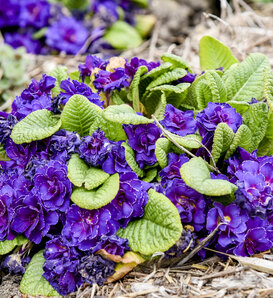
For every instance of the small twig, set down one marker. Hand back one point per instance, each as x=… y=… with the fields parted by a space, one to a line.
x=141 y=293
x=222 y=273
x=154 y=40
x=199 y=246
x=113 y=291
x=178 y=145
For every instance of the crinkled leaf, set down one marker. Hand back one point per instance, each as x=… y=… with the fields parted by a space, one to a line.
x=77 y=170
x=256 y=119
x=222 y=140
x=60 y=74
x=240 y=106
x=130 y=158
x=176 y=61
x=167 y=77
x=7 y=246
x=113 y=131
x=268 y=86
x=196 y=175
x=38 y=125
x=94 y=178
x=246 y=80
x=133 y=94
x=123 y=36
x=158 y=229
x=124 y=114
x=188 y=141
x=33 y=283
x=155 y=104
x=95 y=199
x=162 y=148
x=78 y=114
x=266 y=145
x=150 y=175
x=116 y=98
x=242 y=138
x=213 y=54
x=216 y=85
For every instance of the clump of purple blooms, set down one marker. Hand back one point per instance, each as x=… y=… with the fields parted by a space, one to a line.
x=35 y=187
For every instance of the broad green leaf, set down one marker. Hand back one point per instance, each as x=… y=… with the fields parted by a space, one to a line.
x=95 y=199
x=216 y=85
x=95 y=178
x=150 y=175
x=113 y=131
x=77 y=170
x=176 y=61
x=7 y=246
x=75 y=76
x=134 y=88
x=38 y=125
x=141 y=3
x=268 y=86
x=158 y=229
x=242 y=138
x=188 y=141
x=33 y=283
x=265 y=147
x=130 y=158
x=60 y=74
x=222 y=140
x=75 y=4
x=167 y=77
x=240 y=106
x=162 y=148
x=144 y=24
x=246 y=80
x=196 y=175
x=78 y=114
x=124 y=114
x=160 y=108
x=256 y=118
x=213 y=54
x=123 y=36
x=116 y=98
x=155 y=104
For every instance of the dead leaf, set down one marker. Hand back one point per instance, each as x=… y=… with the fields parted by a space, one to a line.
x=256 y=263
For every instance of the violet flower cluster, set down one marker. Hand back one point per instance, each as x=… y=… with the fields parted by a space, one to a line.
x=43 y=27
x=36 y=188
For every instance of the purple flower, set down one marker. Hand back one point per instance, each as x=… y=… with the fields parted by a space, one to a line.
x=109 y=81
x=74 y=87
x=234 y=222
x=52 y=186
x=7 y=122
x=113 y=245
x=61 y=266
x=36 y=97
x=9 y=12
x=131 y=199
x=188 y=78
x=256 y=240
x=107 y=10
x=66 y=35
x=179 y=122
x=15 y=264
x=32 y=219
x=84 y=227
x=24 y=39
x=34 y=13
x=94 y=149
x=91 y=62
x=142 y=139
x=190 y=204
x=132 y=66
x=116 y=161
x=95 y=269
x=173 y=169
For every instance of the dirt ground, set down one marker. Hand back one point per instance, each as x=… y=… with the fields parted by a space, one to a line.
x=179 y=28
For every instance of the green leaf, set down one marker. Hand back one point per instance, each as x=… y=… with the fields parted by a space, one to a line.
x=265 y=147
x=150 y=175
x=155 y=104
x=167 y=77
x=75 y=76
x=268 y=86
x=176 y=61
x=256 y=119
x=116 y=98
x=242 y=138
x=78 y=114
x=3 y=154
x=246 y=80
x=123 y=36
x=60 y=74
x=130 y=158
x=7 y=246
x=162 y=148
x=75 y=4
x=216 y=85
x=134 y=88
x=38 y=125
x=33 y=283
x=222 y=140
x=240 y=106
x=158 y=229
x=213 y=54
x=124 y=114
x=95 y=178
x=196 y=175
x=77 y=170
x=188 y=141
x=113 y=131
x=95 y=199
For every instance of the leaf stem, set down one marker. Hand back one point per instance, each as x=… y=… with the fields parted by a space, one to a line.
x=167 y=135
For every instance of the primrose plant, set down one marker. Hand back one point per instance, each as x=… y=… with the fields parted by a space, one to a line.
x=100 y=168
